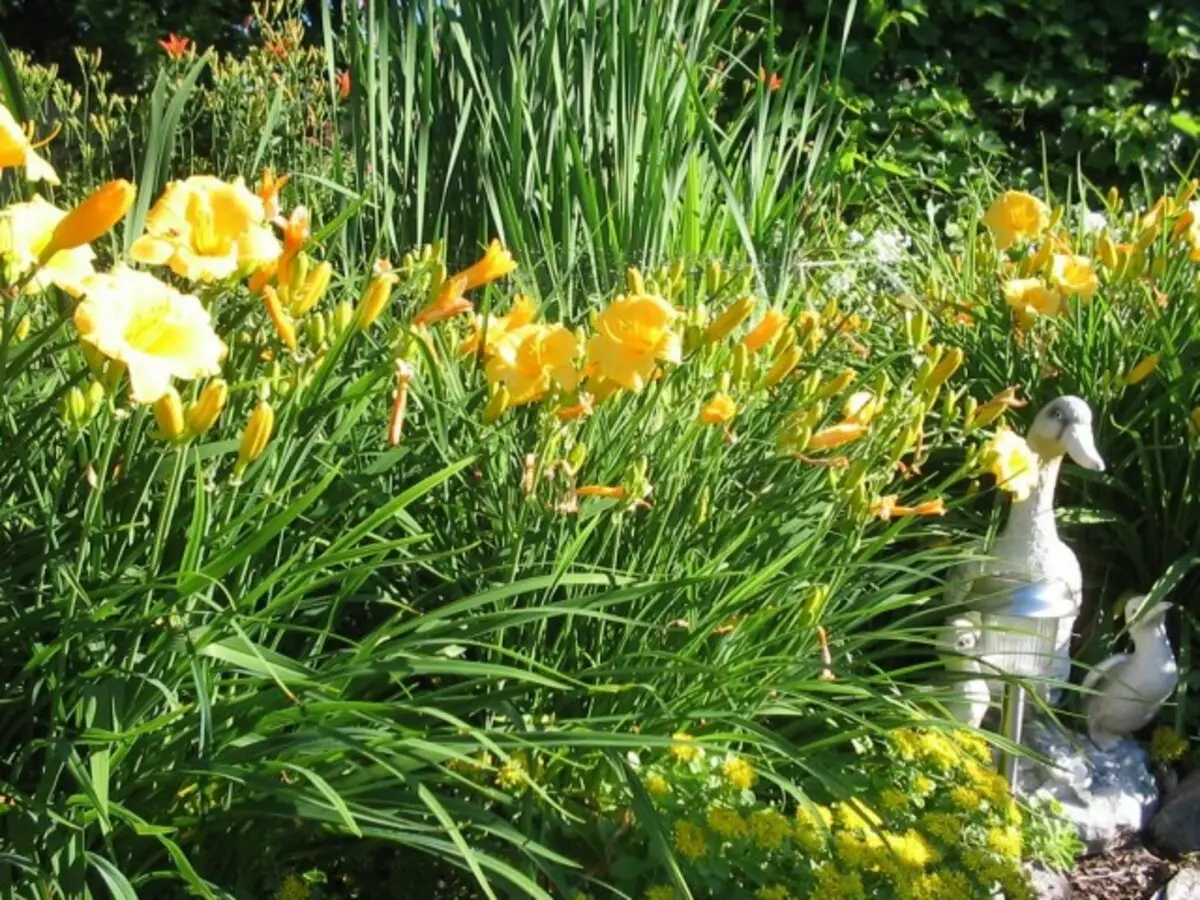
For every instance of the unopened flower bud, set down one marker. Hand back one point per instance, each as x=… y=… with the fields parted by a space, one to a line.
x=203 y=414
x=92 y=218
x=255 y=436
x=837 y=384
x=168 y=413
x=343 y=317
x=782 y=367
x=496 y=405
x=713 y=277
x=374 y=299
x=311 y=291
x=634 y=282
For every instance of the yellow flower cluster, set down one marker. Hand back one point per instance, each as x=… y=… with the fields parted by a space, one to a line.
x=725 y=822
x=1167 y=746
x=690 y=840
x=738 y=773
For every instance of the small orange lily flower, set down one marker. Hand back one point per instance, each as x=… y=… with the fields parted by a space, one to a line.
x=343 y=84
x=773 y=81
x=175 y=46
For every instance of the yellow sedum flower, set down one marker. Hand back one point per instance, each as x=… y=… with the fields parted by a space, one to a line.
x=690 y=841
x=632 y=336
x=768 y=828
x=725 y=822
x=894 y=801
x=911 y=850
x=529 y=360
x=965 y=798
x=834 y=883
x=685 y=749
x=924 y=785
x=946 y=827
x=1014 y=464
x=293 y=888
x=25 y=232
x=1005 y=841
x=512 y=774
x=207 y=230
x=157 y=332
x=1166 y=746
x=935 y=748
x=738 y=773
x=16 y=151
x=1074 y=276
x=657 y=785
x=772 y=892
x=1015 y=217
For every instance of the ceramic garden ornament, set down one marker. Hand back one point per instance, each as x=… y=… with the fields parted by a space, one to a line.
x=957 y=642
x=1029 y=548
x=1130 y=688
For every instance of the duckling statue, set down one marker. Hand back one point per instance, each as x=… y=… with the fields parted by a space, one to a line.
x=1029 y=547
x=957 y=641
x=1132 y=687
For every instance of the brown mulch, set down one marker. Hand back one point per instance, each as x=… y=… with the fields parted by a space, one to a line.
x=1132 y=873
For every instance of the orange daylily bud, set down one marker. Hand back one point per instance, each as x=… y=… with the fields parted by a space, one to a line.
x=283 y=325
x=255 y=436
x=168 y=412
x=203 y=414
x=92 y=218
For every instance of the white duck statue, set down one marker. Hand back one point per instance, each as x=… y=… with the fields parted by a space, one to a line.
x=1029 y=548
x=957 y=642
x=1130 y=688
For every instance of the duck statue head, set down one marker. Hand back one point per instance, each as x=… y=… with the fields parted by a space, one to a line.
x=1063 y=427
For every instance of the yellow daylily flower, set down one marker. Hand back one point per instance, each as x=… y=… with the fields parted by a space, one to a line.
x=1011 y=460
x=26 y=230
x=491 y=329
x=157 y=332
x=1016 y=216
x=527 y=360
x=1074 y=276
x=16 y=150
x=632 y=336
x=207 y=230
x=1030 y=298
x=719 y=410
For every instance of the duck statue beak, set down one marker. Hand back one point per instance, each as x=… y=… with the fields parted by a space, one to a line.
x=1081 y=447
